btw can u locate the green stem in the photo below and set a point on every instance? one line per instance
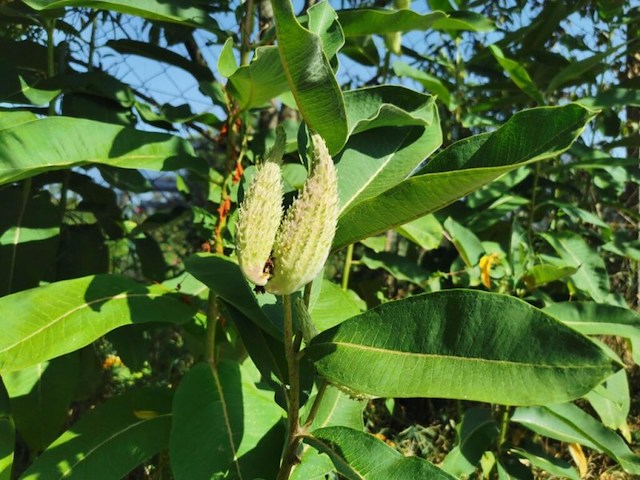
(532, 208)
(212, 323)
(50, 25)
(348, 261)
(92, 43)
(504, 426)
(316, 404)
(247, 29)
(306, 296)
(293, 405)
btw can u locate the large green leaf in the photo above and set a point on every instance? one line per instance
(7, 435)
(29, 146)
(392, 129)
(463, 344)
(310, 77)
(568, 423)
(529, 136)
(369, 21)
(336, 409)
(49, 321)
(40, 398)
(224, 423)
(223, 275)
(108, 442)
(253, 85)
(591, 275)
(359, 456)
(29, 234)
(592, 318)
(151, 9)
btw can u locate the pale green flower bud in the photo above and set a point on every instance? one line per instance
(305, 236)
(259, 217)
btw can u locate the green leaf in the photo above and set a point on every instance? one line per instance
(369, 21)
(464, 167)
(223, 275)
(149, 9)
(447, 344)
(539, 275)
(7, 434)
(358, 455)
(577, 70)
(539, 459)
(40, 399)
(592, 318)
(568, 423)
(466, 242)
(29, 234)
(220, 410)
(266, 352)
(518, 74)
(49, 321)
(29, 146)
(613, 97)
(310, 77)
(255, 84)
(426, 232)
(391, 130)
(431, 83)
(336, 409)
(611, 402)
(16, 89)
(591, 276)
(332, 306)
(577, 214)
(402, 268)
(111, 440)
(510, 468)
(476, 433)
(227, 63)
(159, 54)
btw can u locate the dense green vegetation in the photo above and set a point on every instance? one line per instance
(476, 316)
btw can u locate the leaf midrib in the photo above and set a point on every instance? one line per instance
(369, 348)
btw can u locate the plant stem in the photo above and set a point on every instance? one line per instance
(348, 261)
(247, 29)
(316, 404)
(212, 323)
(504, 425)
(289, 457)
(532, 209)
(50, 25)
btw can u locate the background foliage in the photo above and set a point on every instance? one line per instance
(128, 132)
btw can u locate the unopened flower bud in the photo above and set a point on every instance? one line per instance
(259, 217)
(304, 239)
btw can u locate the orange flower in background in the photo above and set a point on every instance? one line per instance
(485, 264)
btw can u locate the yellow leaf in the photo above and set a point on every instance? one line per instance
(579, 458)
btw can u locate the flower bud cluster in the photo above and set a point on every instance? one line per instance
(283, 256)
